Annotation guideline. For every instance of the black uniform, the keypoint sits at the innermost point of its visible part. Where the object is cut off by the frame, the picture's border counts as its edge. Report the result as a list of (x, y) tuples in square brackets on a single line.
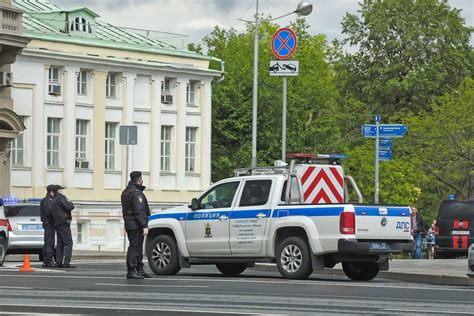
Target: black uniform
[(135, 211), (48, 226), (61, 210)]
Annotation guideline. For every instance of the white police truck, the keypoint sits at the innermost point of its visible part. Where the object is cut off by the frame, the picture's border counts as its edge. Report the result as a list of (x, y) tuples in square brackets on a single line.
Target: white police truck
[(298, 216)]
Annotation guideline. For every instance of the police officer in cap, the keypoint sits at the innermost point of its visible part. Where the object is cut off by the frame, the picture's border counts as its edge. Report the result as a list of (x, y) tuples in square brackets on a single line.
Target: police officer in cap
[(135, 211), (48, 226)]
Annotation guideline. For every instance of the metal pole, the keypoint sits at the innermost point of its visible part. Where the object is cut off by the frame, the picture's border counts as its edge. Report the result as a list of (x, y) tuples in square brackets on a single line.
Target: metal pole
[(126, 183), (376, 194), (283, 123), (255, 91)]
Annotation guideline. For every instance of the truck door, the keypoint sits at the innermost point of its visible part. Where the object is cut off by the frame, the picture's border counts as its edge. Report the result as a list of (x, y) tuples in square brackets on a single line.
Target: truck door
[(207, 228), (248, 220)]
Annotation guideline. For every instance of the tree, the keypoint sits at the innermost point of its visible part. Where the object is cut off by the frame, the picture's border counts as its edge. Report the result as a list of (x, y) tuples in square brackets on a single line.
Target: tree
[(409, 51), (311, 123)]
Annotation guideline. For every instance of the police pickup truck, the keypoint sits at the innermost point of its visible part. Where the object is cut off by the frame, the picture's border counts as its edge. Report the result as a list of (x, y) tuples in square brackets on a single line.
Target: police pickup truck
[(298, 216)]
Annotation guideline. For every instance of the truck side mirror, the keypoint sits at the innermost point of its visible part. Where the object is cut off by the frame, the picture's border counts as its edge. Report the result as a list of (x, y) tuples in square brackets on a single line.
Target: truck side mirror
[(194, 204)]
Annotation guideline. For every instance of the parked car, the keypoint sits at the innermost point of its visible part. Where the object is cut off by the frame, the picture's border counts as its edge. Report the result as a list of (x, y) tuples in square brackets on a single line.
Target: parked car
[(3, 235), (24, 226), (454, 231)]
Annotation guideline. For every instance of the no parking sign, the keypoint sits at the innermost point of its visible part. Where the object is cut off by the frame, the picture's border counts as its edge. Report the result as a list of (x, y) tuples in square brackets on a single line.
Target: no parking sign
[(284, 43)]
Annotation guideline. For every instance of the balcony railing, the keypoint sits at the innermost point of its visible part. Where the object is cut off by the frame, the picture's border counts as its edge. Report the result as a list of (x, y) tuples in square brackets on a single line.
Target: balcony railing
[(10, 21)]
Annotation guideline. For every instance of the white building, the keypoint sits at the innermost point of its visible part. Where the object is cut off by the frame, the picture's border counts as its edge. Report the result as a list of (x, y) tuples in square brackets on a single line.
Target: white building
[(78, 80)]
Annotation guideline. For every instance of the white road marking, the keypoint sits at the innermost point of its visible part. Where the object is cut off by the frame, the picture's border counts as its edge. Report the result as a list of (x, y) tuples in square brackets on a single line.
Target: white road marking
[(423, 311), (266, 281), (158, 285), (142, 308), (16, 288)]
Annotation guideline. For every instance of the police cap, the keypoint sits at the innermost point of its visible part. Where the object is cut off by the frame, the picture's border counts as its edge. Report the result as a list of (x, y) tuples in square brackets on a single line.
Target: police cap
[(56, 188), (135, 175)]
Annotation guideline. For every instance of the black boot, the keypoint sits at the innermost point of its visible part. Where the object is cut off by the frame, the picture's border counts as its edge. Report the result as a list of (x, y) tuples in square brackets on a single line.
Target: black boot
[(134, 275), (141, 271)]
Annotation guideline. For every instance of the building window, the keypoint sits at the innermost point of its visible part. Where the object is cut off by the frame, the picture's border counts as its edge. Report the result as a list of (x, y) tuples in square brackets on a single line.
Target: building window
[(54, 75), (190, 150), (165, 86), (52, 147), (18, 148), (110, 139), (166, 147), (81, 25), (110, 85), (191, 92), (80, 233), (81, 144), (82, 82)]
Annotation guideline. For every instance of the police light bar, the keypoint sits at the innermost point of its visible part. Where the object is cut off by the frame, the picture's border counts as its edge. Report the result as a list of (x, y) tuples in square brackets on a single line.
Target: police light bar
[(324, 156), (34, 200), (9, 200), (452, 197)]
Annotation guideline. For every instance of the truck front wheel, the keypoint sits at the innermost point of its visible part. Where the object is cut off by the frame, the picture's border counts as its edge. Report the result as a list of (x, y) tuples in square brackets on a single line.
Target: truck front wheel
[(294, 259), (163, 256), (231, 269), (361, 271)]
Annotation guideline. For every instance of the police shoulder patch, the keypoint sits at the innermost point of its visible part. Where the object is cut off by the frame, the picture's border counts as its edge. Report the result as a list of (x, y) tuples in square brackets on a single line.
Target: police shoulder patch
[(140, 199)]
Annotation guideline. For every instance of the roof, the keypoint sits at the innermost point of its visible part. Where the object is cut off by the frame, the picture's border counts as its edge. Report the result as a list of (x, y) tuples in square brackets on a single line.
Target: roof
[(40, 22)]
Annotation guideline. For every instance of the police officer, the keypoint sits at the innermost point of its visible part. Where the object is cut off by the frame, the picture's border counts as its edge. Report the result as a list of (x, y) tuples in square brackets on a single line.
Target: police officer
[(135, 211), (48, 226), (61, 210)]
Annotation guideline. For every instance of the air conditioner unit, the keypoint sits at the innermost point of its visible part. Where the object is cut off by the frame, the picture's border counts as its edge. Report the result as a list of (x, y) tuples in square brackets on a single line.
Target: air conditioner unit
[(82, 164), (6, 79), (54, 88), (167, 98)]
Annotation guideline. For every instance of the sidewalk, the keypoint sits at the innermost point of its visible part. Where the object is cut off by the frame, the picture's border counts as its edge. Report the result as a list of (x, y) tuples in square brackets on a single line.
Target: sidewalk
[(441, 272)]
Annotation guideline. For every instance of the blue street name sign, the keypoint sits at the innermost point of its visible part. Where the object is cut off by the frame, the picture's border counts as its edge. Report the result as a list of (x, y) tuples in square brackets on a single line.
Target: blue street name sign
[(385, 143), (385, 130), (385, 154)]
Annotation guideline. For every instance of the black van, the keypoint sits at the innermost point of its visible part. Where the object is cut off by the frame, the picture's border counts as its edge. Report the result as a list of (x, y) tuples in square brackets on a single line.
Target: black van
[(454, 228)]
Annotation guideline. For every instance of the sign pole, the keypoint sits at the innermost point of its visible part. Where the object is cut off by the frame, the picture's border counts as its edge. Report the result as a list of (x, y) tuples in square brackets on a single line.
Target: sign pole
[(376, 193), (126, 183), (283, 124), (255, 92)]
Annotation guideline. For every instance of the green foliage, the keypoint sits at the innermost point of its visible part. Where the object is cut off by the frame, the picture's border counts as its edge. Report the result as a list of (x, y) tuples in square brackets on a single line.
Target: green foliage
[(409, 52), (413, 65), (311, 122)]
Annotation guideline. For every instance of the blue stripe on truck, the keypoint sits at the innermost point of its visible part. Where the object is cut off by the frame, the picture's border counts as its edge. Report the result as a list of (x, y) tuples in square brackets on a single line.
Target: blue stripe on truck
[(375, 211)]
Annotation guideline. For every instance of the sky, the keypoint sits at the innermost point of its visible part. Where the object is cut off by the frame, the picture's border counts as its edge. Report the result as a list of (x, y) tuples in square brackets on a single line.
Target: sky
[(197, 18)]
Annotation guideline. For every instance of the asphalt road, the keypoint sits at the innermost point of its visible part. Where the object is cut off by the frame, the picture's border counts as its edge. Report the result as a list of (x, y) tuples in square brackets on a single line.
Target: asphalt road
[(101, 288)]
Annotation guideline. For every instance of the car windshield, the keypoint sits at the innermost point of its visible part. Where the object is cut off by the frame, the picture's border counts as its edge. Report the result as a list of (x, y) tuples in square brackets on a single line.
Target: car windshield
[(22, 210), (456, 209)]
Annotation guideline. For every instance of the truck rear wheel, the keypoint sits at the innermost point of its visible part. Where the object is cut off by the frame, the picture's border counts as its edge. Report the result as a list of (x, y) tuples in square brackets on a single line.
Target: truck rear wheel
[(163, 256), (361, 271), (231, 269), (3, 250), (294, 259)]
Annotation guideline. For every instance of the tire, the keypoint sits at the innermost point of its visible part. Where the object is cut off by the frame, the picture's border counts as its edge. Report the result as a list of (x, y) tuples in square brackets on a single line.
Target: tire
[(293, 258), (231, 269), (163, 255), (361, 271), (3, 250)]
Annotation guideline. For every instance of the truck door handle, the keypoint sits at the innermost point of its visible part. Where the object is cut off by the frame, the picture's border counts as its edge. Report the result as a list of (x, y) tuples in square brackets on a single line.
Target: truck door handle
[(223, 218), (261, 215)]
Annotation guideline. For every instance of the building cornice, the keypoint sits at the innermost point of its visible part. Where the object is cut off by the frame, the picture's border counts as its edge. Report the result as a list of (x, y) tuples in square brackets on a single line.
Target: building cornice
[(110, 61)]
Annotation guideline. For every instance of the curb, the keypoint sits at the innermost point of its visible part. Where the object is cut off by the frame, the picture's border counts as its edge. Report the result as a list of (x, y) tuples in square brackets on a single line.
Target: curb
[(399, 276)]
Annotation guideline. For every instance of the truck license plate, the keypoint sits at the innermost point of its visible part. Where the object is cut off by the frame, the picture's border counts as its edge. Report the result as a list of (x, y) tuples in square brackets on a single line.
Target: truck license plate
[(379, 246), (32, 227), (460, 232)]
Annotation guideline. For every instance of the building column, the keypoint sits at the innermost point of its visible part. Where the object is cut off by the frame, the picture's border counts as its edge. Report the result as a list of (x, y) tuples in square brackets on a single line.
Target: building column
[(69, 90), (155, 128), (127, 119), (98, 132), (181, 106), (205, 106), (5, 185)]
